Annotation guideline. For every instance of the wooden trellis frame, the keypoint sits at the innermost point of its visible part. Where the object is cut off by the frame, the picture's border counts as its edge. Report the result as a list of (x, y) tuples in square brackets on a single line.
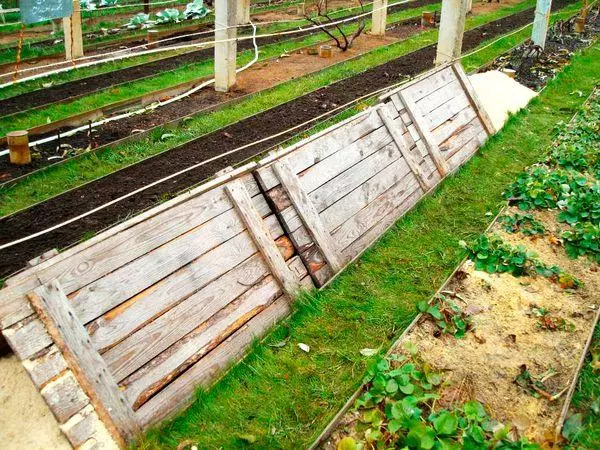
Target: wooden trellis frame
[(118, 331)]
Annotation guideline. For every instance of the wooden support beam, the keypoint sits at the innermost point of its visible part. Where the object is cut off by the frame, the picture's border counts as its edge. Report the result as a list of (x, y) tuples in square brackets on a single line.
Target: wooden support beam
[(473, 99), (262, 237), (243, 12), (422, 128), (400, 142), (73, 33), (541, 20), (308, 214), (379, 20), (225, 45), (452, 28), (90, 369)]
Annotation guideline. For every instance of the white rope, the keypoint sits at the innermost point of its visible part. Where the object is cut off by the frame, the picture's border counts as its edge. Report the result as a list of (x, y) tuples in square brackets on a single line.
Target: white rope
[(195, 166), (173, 48)]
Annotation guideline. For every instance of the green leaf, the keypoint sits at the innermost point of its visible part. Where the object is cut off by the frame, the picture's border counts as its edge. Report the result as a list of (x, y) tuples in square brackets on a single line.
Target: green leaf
[(394, 425), (392, 386), (407, 389), (572, 426), (446, 423), (474, 410), (347, 443)]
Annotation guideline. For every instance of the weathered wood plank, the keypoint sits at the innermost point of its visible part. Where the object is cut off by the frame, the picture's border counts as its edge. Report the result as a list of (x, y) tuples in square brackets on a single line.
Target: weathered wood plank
[(54, 309), (85, 426), (367, 217), (125, 282), (467, 151), (429, 83), (309, 215), (64, 396), (453, 126), (45, 367), (317, 150), (473, 98), (181, 391), (446, 111), (424, 133), (395, 131), (262, 238), (149, 341), (145, 306), (437, 98), (27, 337), (206, 336)]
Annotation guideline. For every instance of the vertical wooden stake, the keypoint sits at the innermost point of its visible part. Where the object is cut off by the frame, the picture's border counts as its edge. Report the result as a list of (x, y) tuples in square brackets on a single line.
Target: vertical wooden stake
[(151, 37), (540, 22), (146, 6), (18, 145), (226, 45), (452, 28), (73, 33), (379, 20), (243, 12)]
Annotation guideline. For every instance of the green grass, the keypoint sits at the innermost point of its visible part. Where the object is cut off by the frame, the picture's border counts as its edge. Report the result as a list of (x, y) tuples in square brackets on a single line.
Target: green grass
[(57, 179), (284, 397)]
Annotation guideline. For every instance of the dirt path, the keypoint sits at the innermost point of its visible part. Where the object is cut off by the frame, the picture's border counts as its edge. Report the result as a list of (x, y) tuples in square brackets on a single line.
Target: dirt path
[(240, 133)]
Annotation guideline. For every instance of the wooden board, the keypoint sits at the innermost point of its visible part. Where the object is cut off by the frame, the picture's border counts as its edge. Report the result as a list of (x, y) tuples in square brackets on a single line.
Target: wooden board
[(52, 305)]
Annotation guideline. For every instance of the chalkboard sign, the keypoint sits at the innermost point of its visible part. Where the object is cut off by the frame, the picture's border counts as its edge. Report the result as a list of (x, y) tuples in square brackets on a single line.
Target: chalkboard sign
[(33, 11)]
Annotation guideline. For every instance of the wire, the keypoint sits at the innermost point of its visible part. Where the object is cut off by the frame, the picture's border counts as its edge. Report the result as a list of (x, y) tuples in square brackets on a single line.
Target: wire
[(195, 166), (180, 47)]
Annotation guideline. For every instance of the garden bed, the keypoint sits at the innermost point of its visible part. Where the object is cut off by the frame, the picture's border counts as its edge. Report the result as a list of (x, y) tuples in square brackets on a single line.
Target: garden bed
[(494, 357), (247, 131)]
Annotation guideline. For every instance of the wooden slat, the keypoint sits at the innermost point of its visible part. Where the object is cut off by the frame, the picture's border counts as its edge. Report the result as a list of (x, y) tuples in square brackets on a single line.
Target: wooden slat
[(53, 307), (454, 126), (446, 111), (64, 396), (27, 337), (261, 237), (395, 129), (467, 151), (473, 98), (309, 215), (45, 367), (437, 98), (429, 83), (204, 338), (424, 133), (145, 306)]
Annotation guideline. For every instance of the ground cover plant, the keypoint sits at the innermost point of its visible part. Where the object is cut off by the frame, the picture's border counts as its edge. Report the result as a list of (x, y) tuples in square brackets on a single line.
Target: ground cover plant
[(372, 301), (86, 169)]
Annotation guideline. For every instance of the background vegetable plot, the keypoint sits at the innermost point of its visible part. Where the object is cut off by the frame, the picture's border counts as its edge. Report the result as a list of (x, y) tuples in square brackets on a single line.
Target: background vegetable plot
[(493, 359)]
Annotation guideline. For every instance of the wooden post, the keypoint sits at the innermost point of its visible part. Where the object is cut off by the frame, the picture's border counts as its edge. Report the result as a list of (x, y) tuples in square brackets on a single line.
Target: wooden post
[(452, 28), (469, 6), (243, 12), (18, 145), (146, 6), (540, 22), (151, 37), (73, 34), (379, 20), (225, 52)]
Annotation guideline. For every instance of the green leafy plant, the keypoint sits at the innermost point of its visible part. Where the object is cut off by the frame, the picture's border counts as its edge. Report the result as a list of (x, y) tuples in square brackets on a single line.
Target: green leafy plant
[(169, 15), (543, 187), (195, 10), (140, 20), (581, 206), (392, 417), (582, 239), (448, 317), (493, 255), (525, 223)]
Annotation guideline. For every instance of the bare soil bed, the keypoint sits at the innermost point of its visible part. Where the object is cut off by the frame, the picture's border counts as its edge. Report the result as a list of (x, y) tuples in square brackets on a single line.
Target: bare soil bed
[(247, 131), (517, 324), (95, 83)]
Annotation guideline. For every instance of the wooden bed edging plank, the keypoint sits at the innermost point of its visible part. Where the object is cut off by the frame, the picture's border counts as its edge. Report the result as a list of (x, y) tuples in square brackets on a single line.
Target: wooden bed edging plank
[(473, 98), (91, 371)]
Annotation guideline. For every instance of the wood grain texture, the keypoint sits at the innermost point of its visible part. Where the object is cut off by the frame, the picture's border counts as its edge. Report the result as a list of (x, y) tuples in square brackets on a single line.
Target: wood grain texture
[(53, 307), (27, 337), (395, 131), (261, 237), (45, 367), (424, 133), (64, 396), (473, 98), (308, 214)]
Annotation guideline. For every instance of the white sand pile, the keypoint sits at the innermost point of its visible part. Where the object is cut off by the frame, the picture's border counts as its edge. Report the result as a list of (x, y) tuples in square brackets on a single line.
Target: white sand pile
[(500, 95)]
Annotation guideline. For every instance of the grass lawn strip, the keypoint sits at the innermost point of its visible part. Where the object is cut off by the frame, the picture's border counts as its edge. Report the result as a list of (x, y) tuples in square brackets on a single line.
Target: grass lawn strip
[(56, 180), (281, 398)]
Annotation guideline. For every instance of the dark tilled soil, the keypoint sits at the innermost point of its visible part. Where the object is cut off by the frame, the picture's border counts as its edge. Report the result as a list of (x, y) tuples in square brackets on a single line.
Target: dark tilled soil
[(95, 83), (201, 101), (267, 123), (535, 67)]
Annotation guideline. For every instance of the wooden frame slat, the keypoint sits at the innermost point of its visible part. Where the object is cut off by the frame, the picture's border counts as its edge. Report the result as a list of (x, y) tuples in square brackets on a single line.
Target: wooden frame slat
[(403, 147), (54, 309), (308, 214), (262, 238), (473, 99), (425, 133)]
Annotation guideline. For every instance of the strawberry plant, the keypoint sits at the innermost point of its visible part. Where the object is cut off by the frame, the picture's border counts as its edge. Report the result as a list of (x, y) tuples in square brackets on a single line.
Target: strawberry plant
[(542, 187), (583, 239), (392, 417), (583, 205), (525, 223), (448, 317)]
